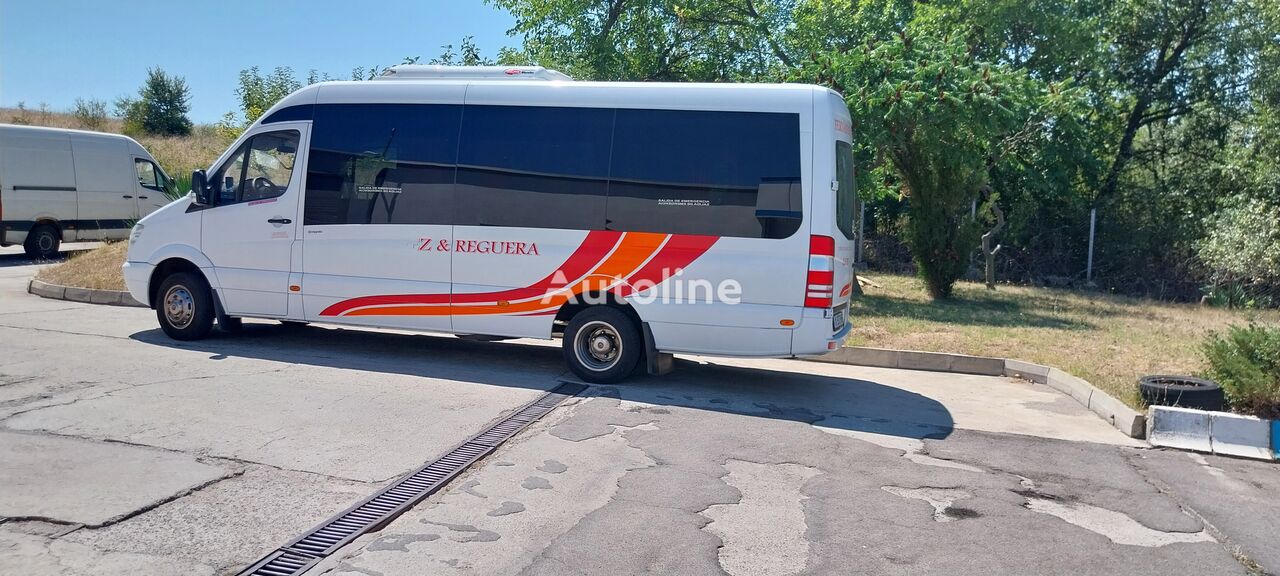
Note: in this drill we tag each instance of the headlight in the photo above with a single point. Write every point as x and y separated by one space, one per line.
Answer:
135 233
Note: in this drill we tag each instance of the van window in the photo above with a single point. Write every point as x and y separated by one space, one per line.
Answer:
847 195
148 176
702 172
539 167
259 170
382 164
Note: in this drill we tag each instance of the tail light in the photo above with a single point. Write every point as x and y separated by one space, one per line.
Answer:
820 286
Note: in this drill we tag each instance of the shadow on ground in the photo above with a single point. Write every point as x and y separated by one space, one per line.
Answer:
833 402
21 259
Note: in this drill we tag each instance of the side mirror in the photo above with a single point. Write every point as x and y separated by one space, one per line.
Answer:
200 185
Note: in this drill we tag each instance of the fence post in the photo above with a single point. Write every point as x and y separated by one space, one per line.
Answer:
1093 219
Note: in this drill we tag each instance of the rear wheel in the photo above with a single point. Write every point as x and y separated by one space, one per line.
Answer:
42 242
602 345
185 308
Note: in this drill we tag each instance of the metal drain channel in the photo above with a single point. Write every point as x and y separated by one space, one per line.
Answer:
384 506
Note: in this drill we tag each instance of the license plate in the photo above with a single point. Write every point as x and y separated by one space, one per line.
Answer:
837 319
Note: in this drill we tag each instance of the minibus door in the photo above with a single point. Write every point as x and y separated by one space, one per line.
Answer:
249 231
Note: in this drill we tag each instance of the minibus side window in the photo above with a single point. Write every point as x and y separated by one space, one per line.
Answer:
704 172
533 166
382 164
847 195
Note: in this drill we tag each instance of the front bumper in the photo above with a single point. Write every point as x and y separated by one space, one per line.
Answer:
137 278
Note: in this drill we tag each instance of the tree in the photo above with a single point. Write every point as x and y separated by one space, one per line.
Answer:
468 55
90 114
161 106
258 92
705 40
1169 59
937 120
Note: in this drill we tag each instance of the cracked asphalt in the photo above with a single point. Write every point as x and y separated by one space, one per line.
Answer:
122 452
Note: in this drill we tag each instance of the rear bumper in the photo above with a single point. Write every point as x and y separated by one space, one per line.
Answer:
815 336
137 277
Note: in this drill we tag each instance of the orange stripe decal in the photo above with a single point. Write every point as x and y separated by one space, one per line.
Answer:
632 252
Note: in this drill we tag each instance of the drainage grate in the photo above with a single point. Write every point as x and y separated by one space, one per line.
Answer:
380 509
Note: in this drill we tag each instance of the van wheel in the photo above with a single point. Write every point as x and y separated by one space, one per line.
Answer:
42 242
602 345
185 307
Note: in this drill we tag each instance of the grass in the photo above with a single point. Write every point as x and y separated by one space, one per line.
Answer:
1108 340
98 268
178 155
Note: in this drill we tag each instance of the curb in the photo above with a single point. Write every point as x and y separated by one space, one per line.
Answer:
1129 421
85 295
1220 433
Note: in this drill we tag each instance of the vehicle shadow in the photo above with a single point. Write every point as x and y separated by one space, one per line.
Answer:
833 402
21 259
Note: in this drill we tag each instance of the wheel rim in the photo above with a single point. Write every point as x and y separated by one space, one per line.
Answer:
598 346
179 306
45 242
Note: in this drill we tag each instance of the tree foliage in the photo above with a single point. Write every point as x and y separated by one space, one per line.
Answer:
936 120
160 108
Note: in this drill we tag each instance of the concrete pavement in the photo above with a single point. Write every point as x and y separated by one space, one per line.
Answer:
122 452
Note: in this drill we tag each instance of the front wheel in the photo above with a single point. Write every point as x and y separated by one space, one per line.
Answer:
602 345
185 307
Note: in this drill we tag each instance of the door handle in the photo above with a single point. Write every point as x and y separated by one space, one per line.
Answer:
142 197
128 196
280 221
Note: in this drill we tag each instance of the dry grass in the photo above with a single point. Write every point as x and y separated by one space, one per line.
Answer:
98 268
178 155
1107 340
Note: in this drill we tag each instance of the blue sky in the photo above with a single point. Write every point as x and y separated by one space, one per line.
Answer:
53 51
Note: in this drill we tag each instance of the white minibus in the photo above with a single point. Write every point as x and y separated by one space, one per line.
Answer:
634 220
61 185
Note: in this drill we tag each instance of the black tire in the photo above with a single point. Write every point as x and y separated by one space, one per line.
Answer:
42 242
231 324
602 345
1184 391
184 306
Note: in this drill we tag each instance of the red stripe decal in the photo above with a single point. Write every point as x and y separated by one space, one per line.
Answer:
594 248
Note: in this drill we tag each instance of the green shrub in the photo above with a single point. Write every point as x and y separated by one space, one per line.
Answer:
90 114
1246 362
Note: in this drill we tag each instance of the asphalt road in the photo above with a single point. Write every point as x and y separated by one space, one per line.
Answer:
122 452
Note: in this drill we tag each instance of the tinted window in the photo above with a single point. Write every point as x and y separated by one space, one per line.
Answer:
847 195
699 172
537 167
382 164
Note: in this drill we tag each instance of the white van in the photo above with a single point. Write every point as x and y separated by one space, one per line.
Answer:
59 185
633 219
